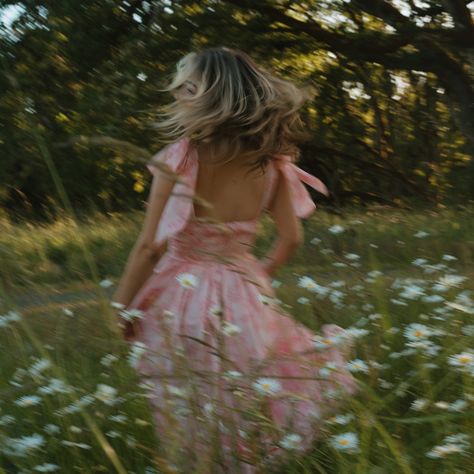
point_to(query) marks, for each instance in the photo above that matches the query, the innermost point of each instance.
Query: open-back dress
(210, 309)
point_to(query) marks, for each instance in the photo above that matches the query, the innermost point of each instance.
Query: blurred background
(388, 255)
(393, 118)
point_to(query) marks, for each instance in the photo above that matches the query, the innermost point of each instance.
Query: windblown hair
(223, 99)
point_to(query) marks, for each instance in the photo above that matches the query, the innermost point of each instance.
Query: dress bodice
(204, 241)
(190, 235)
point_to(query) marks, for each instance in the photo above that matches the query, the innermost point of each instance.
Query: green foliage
(386, 129)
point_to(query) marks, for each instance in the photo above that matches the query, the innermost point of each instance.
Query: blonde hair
(223, 99)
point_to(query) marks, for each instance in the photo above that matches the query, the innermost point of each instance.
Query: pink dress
(209, 308)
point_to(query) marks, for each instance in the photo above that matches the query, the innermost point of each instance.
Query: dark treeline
(392, 120)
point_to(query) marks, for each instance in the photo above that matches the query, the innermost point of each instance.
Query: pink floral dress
(210, 309)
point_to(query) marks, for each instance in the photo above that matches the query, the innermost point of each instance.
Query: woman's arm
(140, 264)
(289, 228)
(145, 253)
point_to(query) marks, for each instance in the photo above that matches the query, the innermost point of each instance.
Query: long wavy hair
(239, 110)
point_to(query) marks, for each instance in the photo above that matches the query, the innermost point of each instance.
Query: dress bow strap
(179, 157)
(303, 203)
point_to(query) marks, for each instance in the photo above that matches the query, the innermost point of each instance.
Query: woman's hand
(128, 328)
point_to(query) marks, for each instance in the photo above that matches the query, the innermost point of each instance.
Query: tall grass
(399, 282)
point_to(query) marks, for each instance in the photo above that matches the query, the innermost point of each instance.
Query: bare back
(234, 193)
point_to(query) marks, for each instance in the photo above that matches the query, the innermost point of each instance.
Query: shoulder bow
(303, 203)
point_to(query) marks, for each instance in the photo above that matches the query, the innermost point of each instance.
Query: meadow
(399, 282)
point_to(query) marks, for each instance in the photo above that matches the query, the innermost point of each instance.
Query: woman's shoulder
(172, 155)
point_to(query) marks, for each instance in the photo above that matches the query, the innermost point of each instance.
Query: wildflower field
(399, 282)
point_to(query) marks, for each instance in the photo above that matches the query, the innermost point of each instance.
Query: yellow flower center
(465, 359)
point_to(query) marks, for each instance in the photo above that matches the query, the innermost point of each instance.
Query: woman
(204, 306)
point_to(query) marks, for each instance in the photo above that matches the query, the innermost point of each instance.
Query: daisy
(448, 281)
(324, 342)
(307, 283)
(416, 331)
(51, 428)
(28, 400)
(303, 300)
(432, 298)
(137, 350)
(291, 441)
(420, 234)
(458, 405)
(345, 442)
(187, 280)
(106, 393)
(267, 386)
(266, 300)
(105, 283)
(462, 360)
(336, 229)
(412, 292)
(46, 467)
(131, 314)
(357, 365)
(176, 391)
(352, 256)
(233, 374)
(419, 404)
(230, 329)
(448, 258)
(117, 305)
(39, 366)
(22, 446)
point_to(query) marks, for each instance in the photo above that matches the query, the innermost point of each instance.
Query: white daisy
(176, 391)
(324, 342)
(448, 281)
(412, 292)
(291, 441)
(307, 283)
(303, 300)
(28, 400)
(345, 442)
(46, 467)
(357, 365)
(117, 305)
(266, 300)
(352, 256)
(448, 258)
(458, 405)
(417, 331)
(419, 404)
(336, 229)
(106, 394)
(230, 329)
(106, 283)
(267, 386)
(131, 314)
(462, 360)
(51, 428)
(233, 374)
(187, 280)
